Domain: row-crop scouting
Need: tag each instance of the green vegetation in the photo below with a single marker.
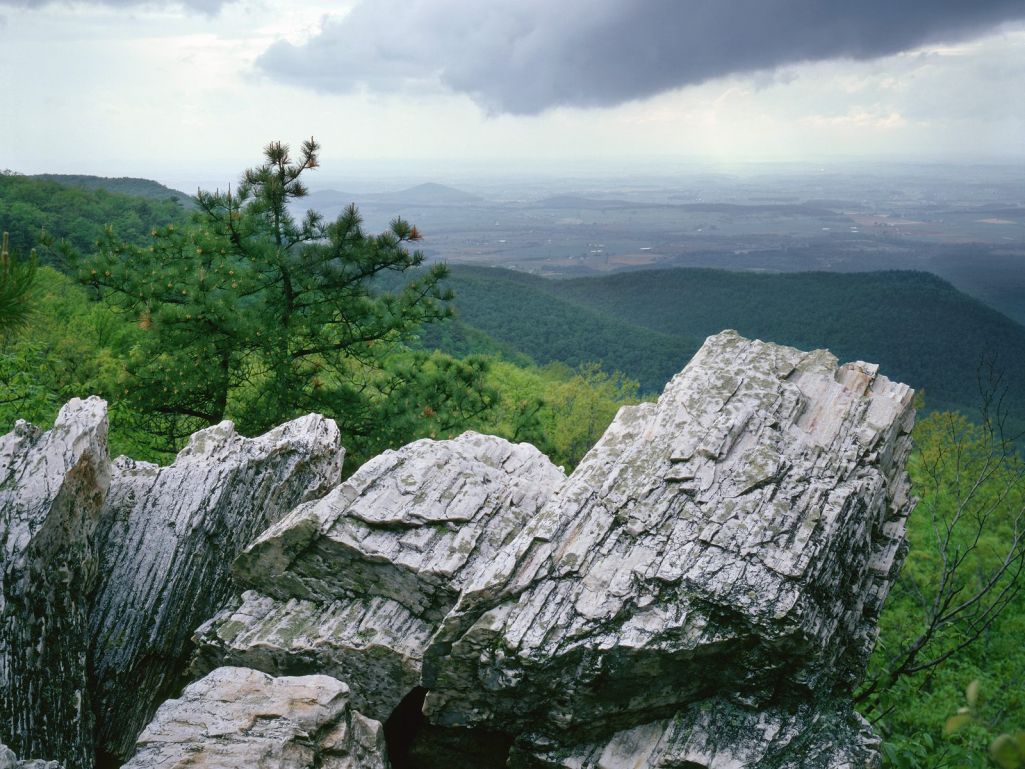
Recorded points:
(16, 281)
(241, 312)
(31, 208)
(122, 185)
(238, 311)
(531, 316)
(253, 315)
(917, 327)
(956, 614)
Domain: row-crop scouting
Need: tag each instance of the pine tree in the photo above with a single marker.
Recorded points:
(17, 279)
(253, 315)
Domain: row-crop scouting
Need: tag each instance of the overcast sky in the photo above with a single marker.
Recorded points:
(192, 90)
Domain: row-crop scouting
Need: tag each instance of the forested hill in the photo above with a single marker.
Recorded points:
(524, 315)
(78, 213)
(123, 185)
(919, 328)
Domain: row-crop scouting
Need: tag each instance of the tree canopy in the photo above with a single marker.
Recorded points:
(252, 314)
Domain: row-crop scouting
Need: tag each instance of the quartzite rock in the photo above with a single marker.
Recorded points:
(168, 537)
(236, 718)
(8, 760)
(720, 734)
(354, 585)
(52, 486)
(737, 537)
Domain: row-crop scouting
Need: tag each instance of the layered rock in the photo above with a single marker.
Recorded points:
(717, 734)
(729, 545)
(355, 585)
(9, 760)
(166, 544)
(701, 592)
(52, 487)
(236, 718)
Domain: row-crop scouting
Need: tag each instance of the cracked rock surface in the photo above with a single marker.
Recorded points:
(737, 536)
(701, 593)
(52, 486)
(355, 584)
(166, 543)
(236, 718)
(8, 760)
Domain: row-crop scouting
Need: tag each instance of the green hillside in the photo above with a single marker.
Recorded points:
(77, 214)
(919, 328)
(122, 185)
(523, 313)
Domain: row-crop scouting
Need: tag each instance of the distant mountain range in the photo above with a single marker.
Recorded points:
(919, 328)
(645, 323)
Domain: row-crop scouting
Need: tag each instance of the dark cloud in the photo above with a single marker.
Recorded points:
(204, 6)
(524, 56)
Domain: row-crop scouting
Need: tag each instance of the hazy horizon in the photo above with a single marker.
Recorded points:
(190, 91)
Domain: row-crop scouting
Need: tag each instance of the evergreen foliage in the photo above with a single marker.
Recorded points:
(16, 281)
(250, 314)
(32, 209)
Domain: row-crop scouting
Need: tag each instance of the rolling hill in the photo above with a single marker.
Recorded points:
(918, 327)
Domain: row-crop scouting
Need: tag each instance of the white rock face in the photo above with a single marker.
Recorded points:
(52, 486)
(354, 585)
(167, 540)
(701, 593)
(236, 718)
(717, 734)
(8, 760)
(738, 536)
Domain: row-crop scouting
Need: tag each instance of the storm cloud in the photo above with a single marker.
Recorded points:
(525, 56)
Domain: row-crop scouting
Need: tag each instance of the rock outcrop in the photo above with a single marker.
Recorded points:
(52, 486)
(702, 592)
(730, 545)
(356, 584)
(108, 568)
(236, 718)
(166, 543)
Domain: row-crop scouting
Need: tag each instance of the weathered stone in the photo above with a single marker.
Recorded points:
(354, 585)
(719, 734)
(8, 760)
(167, 540)
(52, 486)
(738, 536)
(236, 718)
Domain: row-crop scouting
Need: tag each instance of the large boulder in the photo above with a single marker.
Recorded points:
(52, 487)
(236, 718)
(355, 584)
(730, 544)
(166, 543)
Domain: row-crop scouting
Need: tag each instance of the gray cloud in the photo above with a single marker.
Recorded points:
(204, 6)
(524, 56)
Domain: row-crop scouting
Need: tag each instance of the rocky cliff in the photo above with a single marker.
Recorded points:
(52, 487)
(701, 592)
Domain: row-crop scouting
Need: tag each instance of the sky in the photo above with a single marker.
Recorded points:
(189, 91)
